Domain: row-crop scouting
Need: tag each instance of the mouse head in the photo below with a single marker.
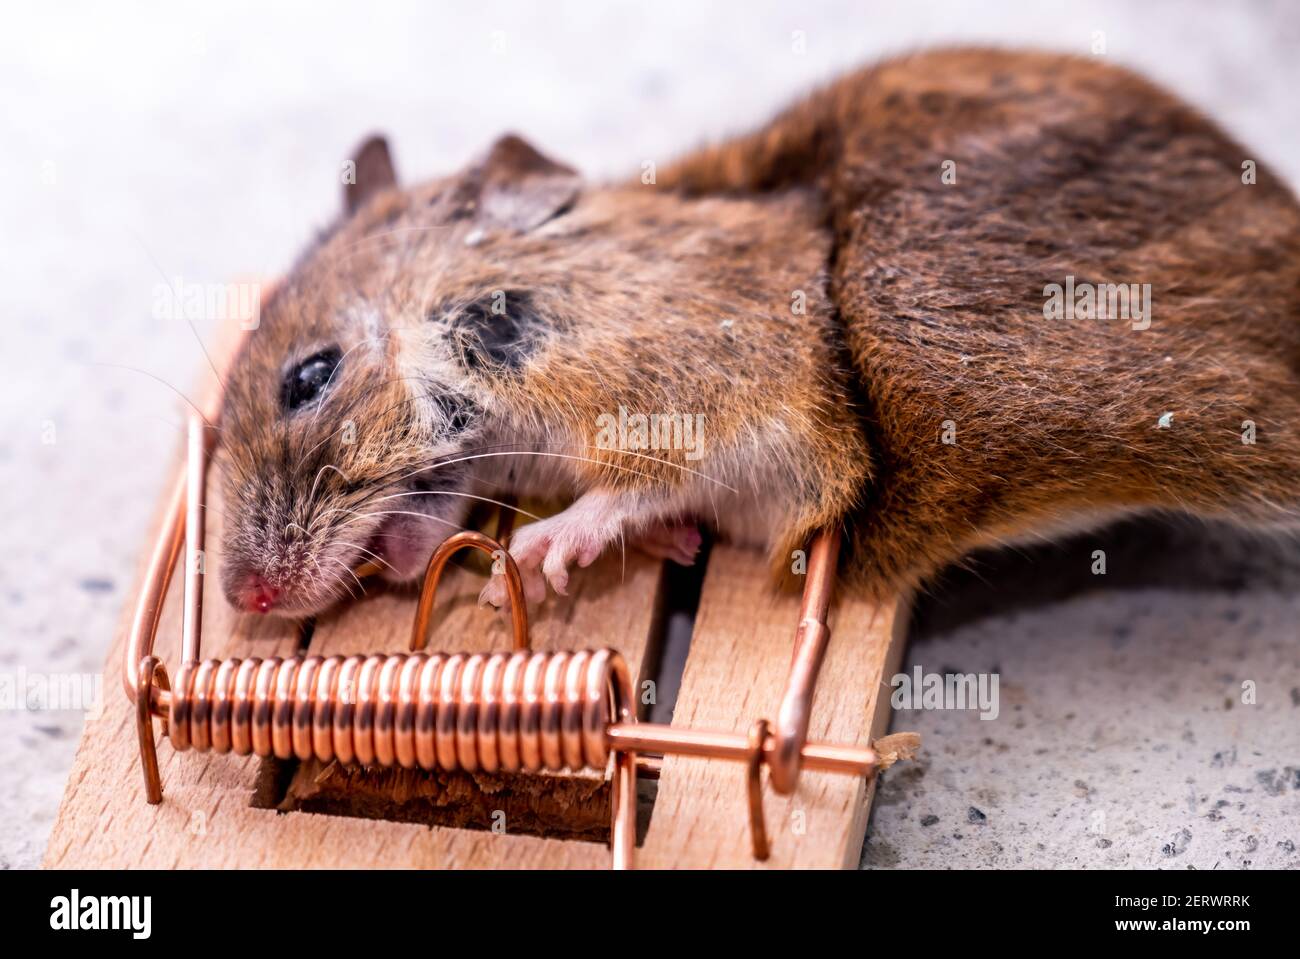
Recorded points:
(339, 449)
(434, 325)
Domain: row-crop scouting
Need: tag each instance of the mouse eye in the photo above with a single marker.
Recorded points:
(305, 381)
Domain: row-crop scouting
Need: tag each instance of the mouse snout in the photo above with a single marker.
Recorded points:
(256, 595)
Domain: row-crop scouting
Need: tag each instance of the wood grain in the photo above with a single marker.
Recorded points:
(104, 819)
(735, 670)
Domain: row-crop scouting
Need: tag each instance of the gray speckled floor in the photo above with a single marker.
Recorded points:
(205, 144)
(1124, 736)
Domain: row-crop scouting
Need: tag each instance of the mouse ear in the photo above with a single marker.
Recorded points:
(517, 187)
(371, 171)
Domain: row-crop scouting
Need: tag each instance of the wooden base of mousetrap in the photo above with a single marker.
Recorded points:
(223, 810)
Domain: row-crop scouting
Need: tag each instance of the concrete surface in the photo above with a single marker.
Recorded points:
(1148, 717)
(150, 142)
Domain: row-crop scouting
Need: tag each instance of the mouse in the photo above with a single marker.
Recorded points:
(952, 300)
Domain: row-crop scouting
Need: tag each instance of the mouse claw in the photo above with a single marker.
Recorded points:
(496, 594)
(556, 570)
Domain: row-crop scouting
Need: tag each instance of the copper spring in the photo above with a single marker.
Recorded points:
(506, 712)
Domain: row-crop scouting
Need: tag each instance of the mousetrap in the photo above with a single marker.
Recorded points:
(423, 731)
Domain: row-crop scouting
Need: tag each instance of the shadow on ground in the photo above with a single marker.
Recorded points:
(1158, 552)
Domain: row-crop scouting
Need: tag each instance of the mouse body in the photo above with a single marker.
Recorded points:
(953, 300)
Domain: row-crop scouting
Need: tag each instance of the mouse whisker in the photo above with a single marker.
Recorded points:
(580, 459)
(350, 572)
(299, 526)
(500, 449)
(335, 585)
(397, 512)
(319, 473)
(159, 379)
(184, 312)
(373, 555)
(339, 365)
(435, 464)
(481, 499)
(357, 402)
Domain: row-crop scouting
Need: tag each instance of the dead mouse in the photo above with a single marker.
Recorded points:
(956, 299)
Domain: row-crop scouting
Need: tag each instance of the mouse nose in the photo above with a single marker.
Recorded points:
(257, 595)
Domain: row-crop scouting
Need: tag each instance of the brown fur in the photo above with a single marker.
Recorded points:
(925, 305)
(1064, 166)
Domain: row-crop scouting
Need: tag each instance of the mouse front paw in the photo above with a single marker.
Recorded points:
(544, 551)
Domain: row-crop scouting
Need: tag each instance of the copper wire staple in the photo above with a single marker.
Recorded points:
(514, 711)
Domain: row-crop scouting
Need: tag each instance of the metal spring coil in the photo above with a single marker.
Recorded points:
(510, 712)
